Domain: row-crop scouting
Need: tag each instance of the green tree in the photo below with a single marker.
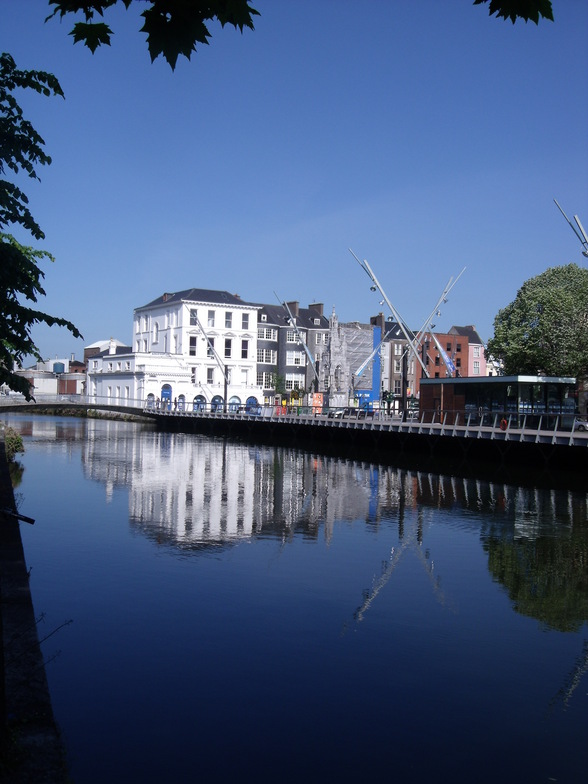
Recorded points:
(21, 151)
(175, 27)
(545, 329)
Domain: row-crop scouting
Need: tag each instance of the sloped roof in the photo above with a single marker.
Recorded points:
(468, 332)
(277, 314)
(120, 350)
(395, 330)
(199, 295)
(102, 344)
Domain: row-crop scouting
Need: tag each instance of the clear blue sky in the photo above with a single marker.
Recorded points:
(426, 136)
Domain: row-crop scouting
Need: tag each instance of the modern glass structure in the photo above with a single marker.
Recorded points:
(533, 397)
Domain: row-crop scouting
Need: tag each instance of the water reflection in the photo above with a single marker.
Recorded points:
(192, 492)
(371, 600)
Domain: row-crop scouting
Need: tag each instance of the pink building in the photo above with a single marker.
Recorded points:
(476, 364)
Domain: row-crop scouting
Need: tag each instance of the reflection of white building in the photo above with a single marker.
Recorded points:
(190, 348)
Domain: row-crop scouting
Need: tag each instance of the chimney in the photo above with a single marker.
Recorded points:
(294, 308)
(112, 346)
(379, 321)
(318, 306)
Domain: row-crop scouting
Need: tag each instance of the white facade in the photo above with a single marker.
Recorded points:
(195, 347)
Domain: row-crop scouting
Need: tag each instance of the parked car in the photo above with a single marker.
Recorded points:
(580, 423)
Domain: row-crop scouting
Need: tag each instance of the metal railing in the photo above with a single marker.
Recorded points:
(542, 427)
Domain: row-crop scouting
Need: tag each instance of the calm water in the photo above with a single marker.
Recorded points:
(262, 614)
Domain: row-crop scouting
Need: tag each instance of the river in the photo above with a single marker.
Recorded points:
(253, 613)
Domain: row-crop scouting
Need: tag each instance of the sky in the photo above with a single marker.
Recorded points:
(426, 137)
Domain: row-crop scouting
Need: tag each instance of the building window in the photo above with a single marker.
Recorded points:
(211, 318)
(458, 347)
(110, 367)
(228, 319)
(398, 349)
(294, 381)
(266, 356)
(397, 366)
(244, 349)
(265, 380)
(228, 347)
(476, 351)
(94, 364)
(397, 389)
(119, 366)
(294, 358)
(266, 333)
(476, 367)
(210, 347)
(127, 365)
(458, 362)
(210, 375)
(263, 317)
(245, 321)
(291, 336)
(193, 375)
(193, 317)
(437, 361)
(156, 332)
(448, 346)
(193, 345)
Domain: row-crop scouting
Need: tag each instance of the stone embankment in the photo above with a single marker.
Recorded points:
(31, 749)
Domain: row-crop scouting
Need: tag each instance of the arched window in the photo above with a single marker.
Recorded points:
(216, 404)
(166, 397)
(199, 403)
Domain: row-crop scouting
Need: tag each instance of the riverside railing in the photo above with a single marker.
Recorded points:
(499, 425)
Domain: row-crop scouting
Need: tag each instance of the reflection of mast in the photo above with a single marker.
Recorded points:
(573, 681)
(412, 541)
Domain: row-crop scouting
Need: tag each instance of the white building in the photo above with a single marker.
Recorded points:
(190, 348)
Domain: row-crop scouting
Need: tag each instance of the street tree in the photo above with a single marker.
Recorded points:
(177, 27)
(21, 152)
(544, 331)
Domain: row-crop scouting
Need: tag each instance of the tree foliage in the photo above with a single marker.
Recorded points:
(545, 329)
(21, 151)
(172, 27)
(176, 27)
(520, 9)
(546, 578)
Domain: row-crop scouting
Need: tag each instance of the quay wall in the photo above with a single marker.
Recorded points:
(31, 748)
(529, 462)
